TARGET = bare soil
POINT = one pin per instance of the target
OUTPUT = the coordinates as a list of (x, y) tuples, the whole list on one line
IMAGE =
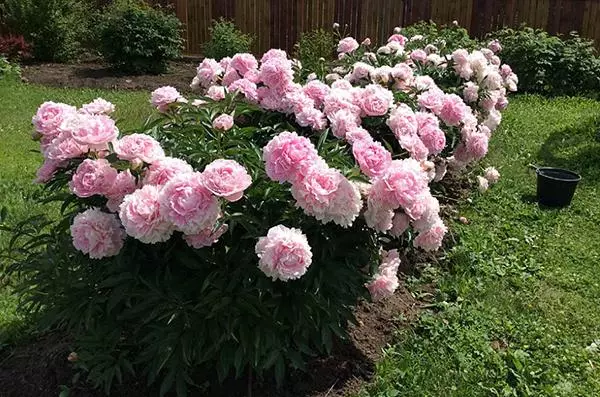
[(99, 75)]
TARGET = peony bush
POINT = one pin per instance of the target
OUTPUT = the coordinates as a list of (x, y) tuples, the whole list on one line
[(237, 230)]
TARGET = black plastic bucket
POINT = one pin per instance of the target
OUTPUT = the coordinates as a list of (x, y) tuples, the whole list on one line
[(555, 186)]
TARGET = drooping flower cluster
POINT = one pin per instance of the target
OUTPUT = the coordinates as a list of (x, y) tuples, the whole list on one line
[(321, 191), (155, 196)]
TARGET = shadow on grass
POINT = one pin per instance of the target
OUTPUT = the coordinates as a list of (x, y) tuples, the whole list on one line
[(576, 149)]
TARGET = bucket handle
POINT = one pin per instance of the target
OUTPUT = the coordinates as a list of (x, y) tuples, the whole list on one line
[(533, 166)]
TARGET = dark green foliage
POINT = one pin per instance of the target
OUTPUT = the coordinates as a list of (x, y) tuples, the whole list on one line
[(136, 38), (315, 50), (226, 40), (555, 65), (55, 28), (181, 316), (446, 38), (8, 69)]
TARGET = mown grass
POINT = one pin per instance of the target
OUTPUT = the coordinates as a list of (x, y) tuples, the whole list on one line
[(19, 156), (519, 296)]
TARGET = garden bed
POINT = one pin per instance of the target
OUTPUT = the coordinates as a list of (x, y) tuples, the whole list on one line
[(99, 75), (40, 368)]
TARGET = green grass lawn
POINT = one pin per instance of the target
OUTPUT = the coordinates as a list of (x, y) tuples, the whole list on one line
[(519, 297), (19, 158), (519, 294)]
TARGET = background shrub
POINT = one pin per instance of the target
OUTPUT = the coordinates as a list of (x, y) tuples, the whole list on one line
[(55, 28), (14, 48), (555, 65), (313, 46), (8, 69), (136, 38), (446, 38), (226, 40)]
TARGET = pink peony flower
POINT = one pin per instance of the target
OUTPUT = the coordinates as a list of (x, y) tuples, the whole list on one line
[(188, 204), (460, 56), (453, 110), (97, 234), (64, 147), (50, 116), (376, 100), (47, 171), (143, 217), (215, 92), (382, 286), (433, 138), (493, 120), (402, 121), (361, 70), (93, 131), (491, 174), (243, 63), (398, 38), (317, 91), (357, 134), (208, 72), (425, 211), (223, 122), (139, 147), (288, 156), (495, 46), (400, 224), (339, 99), (98, 106), (402, 72), (276, 73), (378, 217), (273, 54), (206, 237), (414, 146), (431, 239), (418, 55), (477, 145), (400, 185), (163, 97), (325, 194), (372, 157), (163, 170), (284, 253), (346, 45), (366, 42), (505, 71), (124, 184), (313, 118), (93, 177), (230, 76), (470, 92), (432, 99), (343, 121), (227, 179), (246, 87), (423, 83)]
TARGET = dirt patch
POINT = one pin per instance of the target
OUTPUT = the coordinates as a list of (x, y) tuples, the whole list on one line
[(39, 368), (99, 75)]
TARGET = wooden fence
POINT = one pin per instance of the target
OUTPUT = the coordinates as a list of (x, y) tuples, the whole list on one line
[(279, 23)]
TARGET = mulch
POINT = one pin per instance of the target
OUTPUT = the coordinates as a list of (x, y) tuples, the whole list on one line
[(95, 74)]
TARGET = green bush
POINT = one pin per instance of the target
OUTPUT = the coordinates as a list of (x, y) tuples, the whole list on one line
[(136, 38), (554, 65), (55, 28), (313, 46), (226, 40), (8, 69), (446, 38)]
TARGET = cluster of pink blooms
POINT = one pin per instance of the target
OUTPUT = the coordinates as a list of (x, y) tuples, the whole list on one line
[(159, 195), (321, 191), (154, 197), (385, 281), (490, 177)]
